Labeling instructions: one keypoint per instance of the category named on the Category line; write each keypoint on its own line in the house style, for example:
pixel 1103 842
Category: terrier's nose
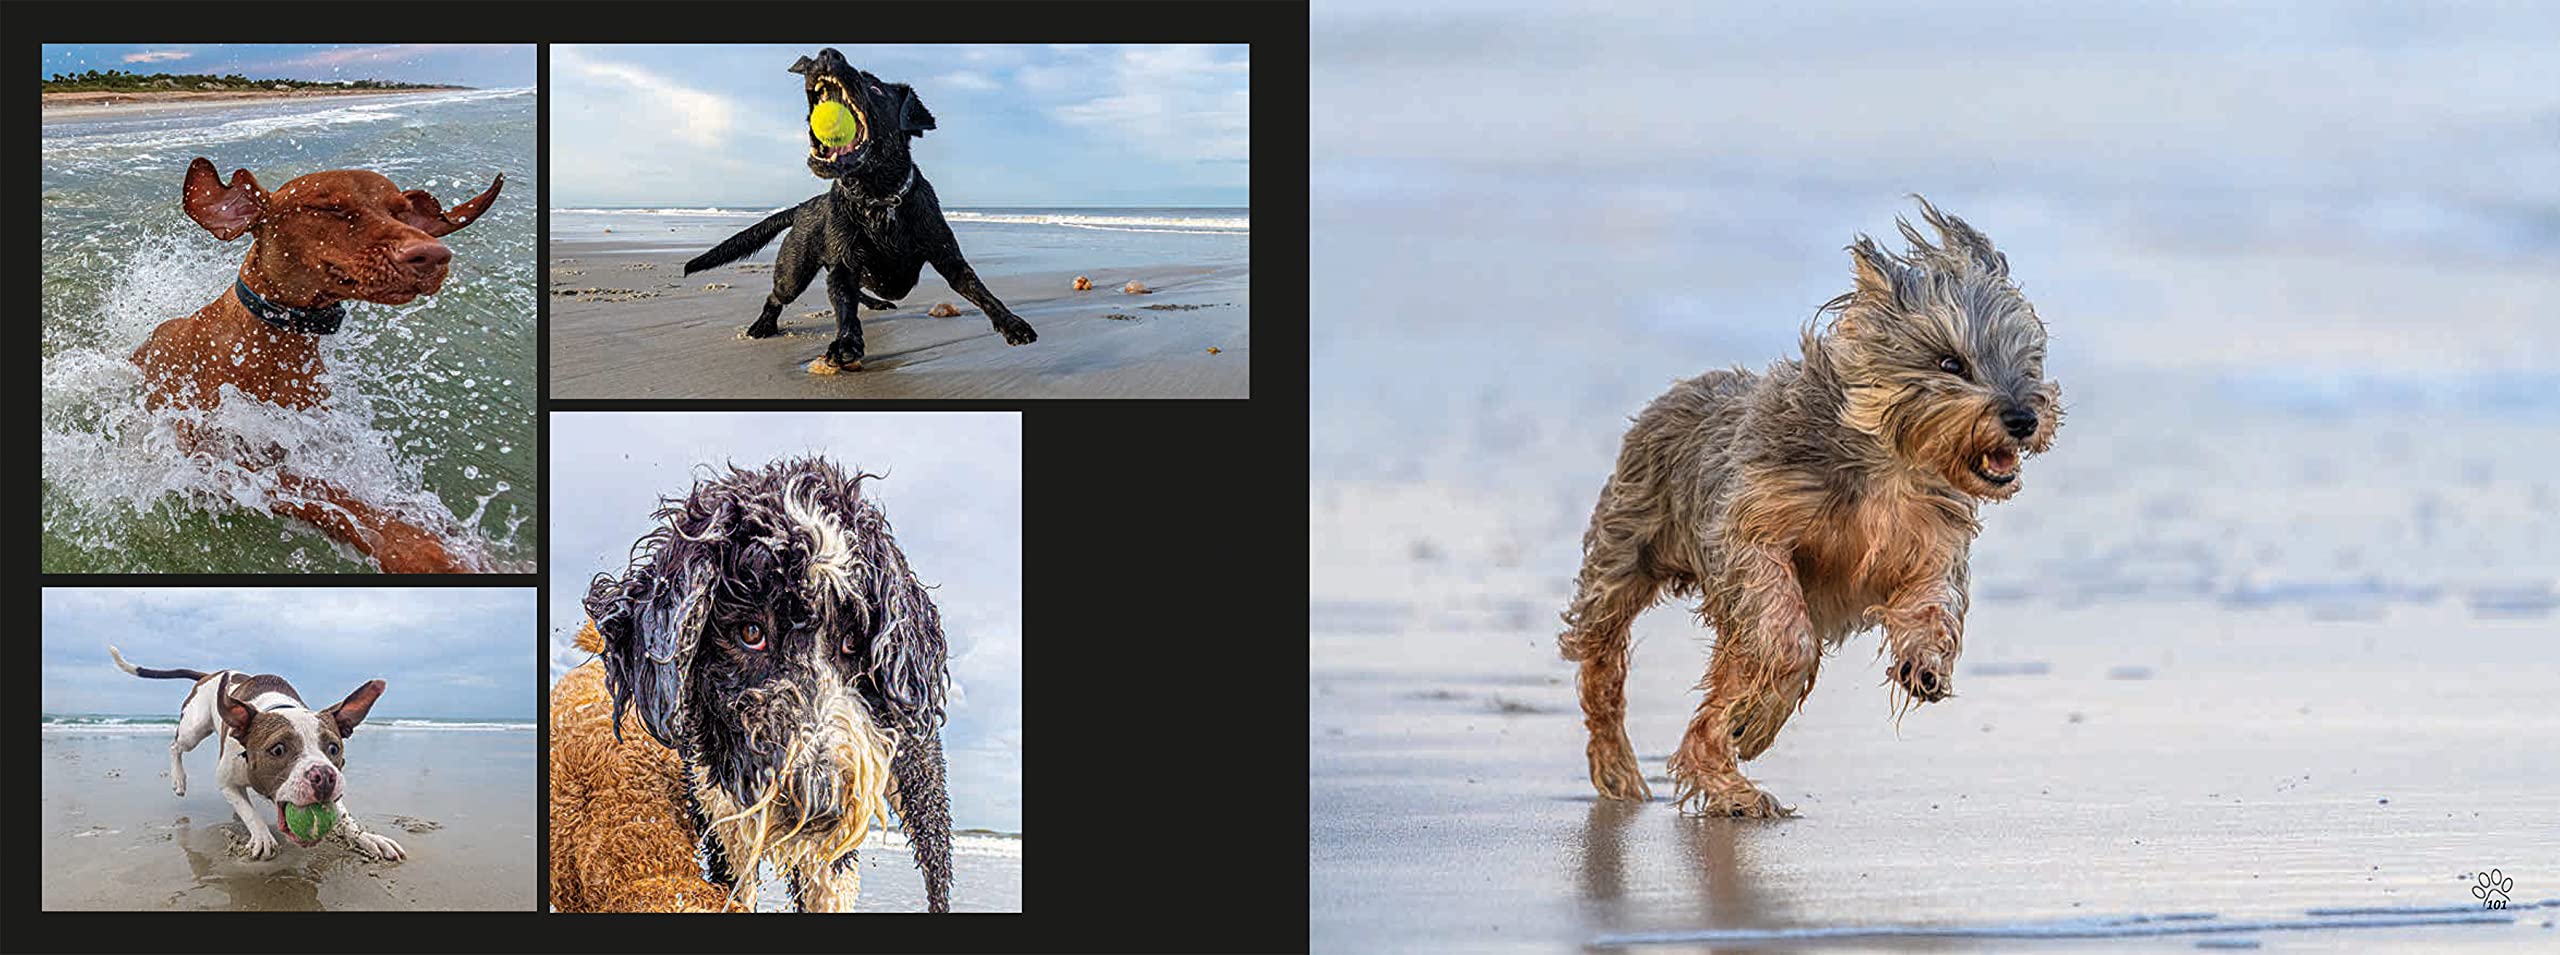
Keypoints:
pixel 424 254
pixel 2020 421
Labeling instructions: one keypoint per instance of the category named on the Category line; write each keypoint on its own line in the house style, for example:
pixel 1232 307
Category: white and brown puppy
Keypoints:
pixel 273 744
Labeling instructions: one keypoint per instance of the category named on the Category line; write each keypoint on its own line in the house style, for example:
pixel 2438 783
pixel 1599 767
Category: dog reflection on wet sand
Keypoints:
pixel 1828 495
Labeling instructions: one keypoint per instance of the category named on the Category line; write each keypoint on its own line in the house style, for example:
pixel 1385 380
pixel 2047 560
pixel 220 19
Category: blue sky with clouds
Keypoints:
pixel 1018 125
pixel 484 65
pixel 953 493
pixel 446 652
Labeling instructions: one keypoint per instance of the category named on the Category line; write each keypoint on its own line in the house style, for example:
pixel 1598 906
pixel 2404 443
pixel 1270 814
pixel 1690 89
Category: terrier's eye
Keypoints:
pixel 1951 365
pixel 333 749
pixel 276 750
pixel 751 637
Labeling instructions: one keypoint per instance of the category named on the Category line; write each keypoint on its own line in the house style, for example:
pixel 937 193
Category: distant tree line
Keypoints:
pixel 119 81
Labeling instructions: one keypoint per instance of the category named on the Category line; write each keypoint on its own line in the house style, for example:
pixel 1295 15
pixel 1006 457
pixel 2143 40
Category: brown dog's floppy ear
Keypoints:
pixel 351 710
pixel 235 714
pixel 912 115
pixel 429 217
pixel 225 211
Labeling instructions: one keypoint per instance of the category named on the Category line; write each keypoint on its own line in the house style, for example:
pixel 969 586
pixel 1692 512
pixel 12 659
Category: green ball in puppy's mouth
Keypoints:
pixel 309 823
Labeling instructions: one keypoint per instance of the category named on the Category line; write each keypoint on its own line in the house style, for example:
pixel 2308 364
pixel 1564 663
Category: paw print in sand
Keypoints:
pixel 2492 889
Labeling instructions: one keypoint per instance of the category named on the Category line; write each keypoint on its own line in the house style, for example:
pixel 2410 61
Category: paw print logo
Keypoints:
pixel 2491 889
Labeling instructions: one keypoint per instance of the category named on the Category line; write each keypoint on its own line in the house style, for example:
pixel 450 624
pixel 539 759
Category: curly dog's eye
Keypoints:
pixel 1951 365
pixel 751 636
pixel 851 646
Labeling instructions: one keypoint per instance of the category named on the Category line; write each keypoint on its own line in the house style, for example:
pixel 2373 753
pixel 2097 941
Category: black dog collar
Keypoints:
pixel 305 321
pixel 898 196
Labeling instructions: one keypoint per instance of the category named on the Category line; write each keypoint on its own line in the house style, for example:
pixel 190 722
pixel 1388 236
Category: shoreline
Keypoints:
pixel 109 102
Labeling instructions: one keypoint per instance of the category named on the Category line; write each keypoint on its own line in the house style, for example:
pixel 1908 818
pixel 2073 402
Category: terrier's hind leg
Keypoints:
pixel 1613 588
pixel 1764 663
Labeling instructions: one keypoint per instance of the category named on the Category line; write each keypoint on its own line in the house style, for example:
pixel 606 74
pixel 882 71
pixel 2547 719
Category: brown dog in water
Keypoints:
pixel 323 239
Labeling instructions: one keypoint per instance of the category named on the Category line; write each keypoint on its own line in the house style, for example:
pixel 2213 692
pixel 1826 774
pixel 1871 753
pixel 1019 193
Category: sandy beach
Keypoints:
pixel 627 323
pixel 460 801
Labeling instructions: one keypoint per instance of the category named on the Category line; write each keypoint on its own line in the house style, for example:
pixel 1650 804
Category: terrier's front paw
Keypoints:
pixel 1614 772
pixel 380 847
pixel 1737 798
pixel 261 844
pixel 1928 677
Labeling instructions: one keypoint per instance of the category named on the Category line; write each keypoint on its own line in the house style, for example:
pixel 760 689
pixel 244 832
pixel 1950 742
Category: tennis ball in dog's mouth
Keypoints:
pixel 309 823
pixel 834 124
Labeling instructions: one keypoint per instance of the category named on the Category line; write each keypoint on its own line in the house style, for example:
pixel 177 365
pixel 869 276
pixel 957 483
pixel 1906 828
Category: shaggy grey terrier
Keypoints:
pixel 1833 493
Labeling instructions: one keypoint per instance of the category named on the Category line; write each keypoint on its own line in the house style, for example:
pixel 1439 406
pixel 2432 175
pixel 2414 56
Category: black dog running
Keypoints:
pixel 875 229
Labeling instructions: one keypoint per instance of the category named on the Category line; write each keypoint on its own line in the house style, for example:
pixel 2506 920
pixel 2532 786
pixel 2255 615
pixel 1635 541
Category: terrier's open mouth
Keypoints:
pixel 1999 466
pixel 287 829
pixel 828 89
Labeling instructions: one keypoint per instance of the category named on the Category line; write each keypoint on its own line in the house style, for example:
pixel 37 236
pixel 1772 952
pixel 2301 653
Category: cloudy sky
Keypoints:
pixel 459 653
pixel 1017 125
pixel 953 493
pixel 487 65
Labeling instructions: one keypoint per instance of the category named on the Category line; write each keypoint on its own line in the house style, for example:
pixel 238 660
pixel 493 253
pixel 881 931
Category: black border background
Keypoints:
pixel 1164 550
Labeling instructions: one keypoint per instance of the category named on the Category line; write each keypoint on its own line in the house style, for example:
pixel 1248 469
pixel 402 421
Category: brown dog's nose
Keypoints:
pixel 423 254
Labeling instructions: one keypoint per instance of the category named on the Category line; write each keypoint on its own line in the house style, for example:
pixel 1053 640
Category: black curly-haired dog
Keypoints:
pixel 770 632
pixel 876 229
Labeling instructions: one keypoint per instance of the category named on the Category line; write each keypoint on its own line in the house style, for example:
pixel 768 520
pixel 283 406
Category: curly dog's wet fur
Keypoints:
pixel 777 677
pixel 1831 494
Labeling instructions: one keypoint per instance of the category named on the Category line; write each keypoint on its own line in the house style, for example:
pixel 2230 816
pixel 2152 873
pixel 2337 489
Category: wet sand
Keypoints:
pixel 986 876
pixel 639 328
pixel 2193 766
pixel 461 803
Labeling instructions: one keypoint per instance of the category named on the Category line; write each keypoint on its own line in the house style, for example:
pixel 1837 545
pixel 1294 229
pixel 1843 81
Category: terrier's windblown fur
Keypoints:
pixel 1827 496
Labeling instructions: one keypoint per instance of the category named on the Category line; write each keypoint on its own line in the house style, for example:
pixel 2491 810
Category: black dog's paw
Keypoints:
pixel 765 328
pixel 878 304
pixel 1016 331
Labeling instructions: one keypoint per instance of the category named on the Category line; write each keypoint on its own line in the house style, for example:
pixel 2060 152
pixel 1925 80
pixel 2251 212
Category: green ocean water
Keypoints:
pixel 433 401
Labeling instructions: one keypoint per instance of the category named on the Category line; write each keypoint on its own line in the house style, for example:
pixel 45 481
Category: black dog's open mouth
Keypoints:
pixel 1998 466
pixel 828 89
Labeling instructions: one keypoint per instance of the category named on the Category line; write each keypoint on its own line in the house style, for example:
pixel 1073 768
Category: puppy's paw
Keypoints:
pixel 1737 798
pixel 1928 677
pixel 261 844
pixel 1614 772
pixel 380 847
pixel 179 785
pixel 1016 331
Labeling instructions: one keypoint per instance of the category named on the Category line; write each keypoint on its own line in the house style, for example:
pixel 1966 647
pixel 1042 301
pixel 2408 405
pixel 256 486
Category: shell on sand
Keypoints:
pixel 821 366
pixel 1136 287
pixel 1084 284
pixel 943 310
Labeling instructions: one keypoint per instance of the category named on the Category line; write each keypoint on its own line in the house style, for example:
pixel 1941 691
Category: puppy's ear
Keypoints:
pixel 352 710
pixel 225 211
pixel 1957 237
pixel 651 620
pixel 1875 267
pixel 430 216
pixel 910 658
pixel 235 714
pixel 911 112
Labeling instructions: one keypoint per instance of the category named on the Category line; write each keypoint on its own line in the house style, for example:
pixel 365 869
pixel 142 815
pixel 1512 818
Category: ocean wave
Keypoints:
pixel 727 213
pixel 1207 225
pixel 972 843
pixel 135 144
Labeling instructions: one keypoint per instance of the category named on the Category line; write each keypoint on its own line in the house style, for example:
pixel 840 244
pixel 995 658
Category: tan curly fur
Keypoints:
pixel 1831 494
pixel 622 838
